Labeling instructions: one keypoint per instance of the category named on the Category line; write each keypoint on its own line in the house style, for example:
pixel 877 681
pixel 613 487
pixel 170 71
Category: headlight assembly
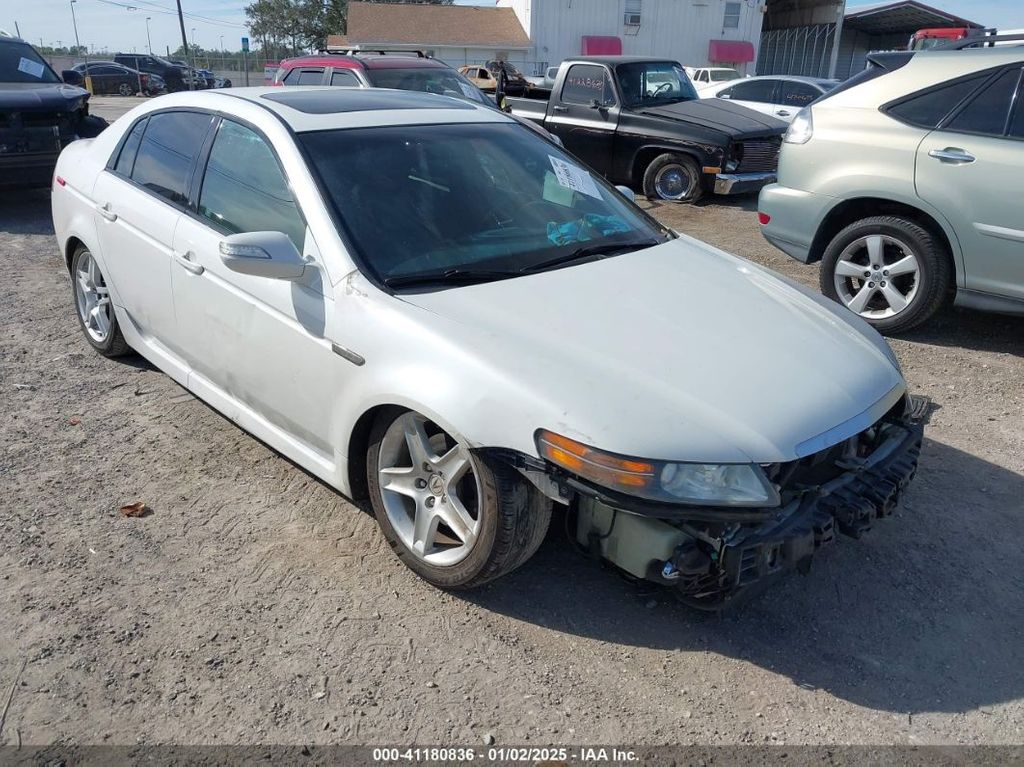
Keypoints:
pixel 715 484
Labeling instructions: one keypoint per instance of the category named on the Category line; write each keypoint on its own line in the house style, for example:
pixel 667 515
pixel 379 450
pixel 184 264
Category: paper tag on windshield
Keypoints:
pixel 30 67
pixel 573 177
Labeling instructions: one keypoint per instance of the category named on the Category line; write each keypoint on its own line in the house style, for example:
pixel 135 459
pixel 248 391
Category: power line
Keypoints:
pixel 167 11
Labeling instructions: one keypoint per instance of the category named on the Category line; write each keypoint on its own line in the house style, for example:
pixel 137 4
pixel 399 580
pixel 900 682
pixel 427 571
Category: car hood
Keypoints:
pixel 734 120
pixel 676 352
pixel 33 97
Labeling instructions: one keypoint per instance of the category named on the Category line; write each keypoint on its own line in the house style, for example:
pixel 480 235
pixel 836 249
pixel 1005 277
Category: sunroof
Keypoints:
pixel 331 100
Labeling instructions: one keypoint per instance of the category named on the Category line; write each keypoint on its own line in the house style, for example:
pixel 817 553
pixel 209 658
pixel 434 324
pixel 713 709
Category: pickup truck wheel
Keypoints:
pixel 673 177
pixel 453 517
pixel 892 272
pixel 95 312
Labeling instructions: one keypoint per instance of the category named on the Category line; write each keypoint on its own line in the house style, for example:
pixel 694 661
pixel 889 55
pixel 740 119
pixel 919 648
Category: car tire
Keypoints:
pixel 674 178
pixel 508 514
pixel 93 307
pixel 856 261
pixel 125 89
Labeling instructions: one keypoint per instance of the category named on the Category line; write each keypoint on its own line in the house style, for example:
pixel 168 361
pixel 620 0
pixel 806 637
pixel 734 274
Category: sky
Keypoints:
pixel 121 24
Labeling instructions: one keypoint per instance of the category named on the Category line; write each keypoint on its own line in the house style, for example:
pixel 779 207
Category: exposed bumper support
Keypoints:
pixel 742 183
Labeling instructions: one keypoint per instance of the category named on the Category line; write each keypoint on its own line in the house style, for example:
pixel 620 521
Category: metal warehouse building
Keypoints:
pixel 799 37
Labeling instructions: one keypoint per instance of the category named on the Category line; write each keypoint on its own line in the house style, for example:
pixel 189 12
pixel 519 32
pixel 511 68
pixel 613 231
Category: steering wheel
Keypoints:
pixel 663 88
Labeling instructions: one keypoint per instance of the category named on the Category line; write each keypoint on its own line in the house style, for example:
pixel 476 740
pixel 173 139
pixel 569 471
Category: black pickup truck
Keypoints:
pixel 40 114
pixel 639 122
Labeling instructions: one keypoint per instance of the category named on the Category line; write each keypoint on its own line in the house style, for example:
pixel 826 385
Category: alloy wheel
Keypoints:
pixel 877 276
pixel 92 298
pixel 430 491
pixel 125 89
pixel 674 182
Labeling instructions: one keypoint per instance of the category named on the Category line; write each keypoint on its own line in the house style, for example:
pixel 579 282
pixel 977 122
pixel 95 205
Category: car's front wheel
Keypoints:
pixel 673 177
pixel 95 311
pixel 455 518
pixel 891 271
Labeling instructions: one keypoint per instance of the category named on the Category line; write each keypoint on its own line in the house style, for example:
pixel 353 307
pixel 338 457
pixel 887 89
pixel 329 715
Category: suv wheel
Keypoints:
pixel 890 271
pixel 453 517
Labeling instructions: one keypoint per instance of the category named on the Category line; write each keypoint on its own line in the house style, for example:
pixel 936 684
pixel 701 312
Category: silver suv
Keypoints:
pixel 907 183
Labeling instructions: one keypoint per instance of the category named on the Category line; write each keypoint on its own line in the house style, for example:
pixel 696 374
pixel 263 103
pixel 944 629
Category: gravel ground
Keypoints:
pixel 255 605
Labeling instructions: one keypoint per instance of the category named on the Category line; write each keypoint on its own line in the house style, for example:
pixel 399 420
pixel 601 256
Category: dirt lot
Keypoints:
pixel 255 605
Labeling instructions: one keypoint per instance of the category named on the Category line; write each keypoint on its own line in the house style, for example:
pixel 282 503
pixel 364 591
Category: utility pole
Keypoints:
pixel 149 40
pixel 74 22
pixel 184 40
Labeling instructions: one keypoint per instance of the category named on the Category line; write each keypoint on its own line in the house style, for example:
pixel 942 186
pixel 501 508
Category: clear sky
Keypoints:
pixel 121 24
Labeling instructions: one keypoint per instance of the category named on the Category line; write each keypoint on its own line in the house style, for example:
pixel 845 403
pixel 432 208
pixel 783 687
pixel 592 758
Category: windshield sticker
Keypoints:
pixel 30 67
pixel 573 177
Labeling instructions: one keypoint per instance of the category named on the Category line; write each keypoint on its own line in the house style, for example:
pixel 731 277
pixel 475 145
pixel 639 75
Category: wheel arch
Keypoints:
pixel 647 154
pixel 857 208
pixel 70 247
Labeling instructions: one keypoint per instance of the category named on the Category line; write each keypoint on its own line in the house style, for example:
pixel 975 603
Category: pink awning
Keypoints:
pixel 598 45
pixel 730 51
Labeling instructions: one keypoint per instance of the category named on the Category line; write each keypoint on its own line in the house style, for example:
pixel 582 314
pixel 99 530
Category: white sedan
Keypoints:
pixel 781 96
pixel 421 301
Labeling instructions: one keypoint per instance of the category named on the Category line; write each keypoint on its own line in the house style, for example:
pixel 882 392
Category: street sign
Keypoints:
pixel 245 44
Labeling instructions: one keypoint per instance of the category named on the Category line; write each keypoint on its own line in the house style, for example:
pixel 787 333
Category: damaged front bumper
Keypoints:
pixel 710 555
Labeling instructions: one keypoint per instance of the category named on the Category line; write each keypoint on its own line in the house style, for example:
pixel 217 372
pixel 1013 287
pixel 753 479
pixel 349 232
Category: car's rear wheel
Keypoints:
pixel 95 312
pixel 455 518
pixel 125 89
pixel 673 177
pixel 892 272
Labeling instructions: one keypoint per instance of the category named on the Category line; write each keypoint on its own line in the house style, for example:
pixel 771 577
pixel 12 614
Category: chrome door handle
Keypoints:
pixel 559 110
pixel 106 212
pixel 782 113
pixel 185 259
pixel 952 154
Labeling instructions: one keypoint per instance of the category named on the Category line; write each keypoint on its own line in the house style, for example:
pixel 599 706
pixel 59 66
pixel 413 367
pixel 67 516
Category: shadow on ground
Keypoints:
pixel 25 211
pixel 922 614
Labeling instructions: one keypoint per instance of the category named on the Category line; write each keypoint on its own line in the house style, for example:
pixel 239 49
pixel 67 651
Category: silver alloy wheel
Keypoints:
pixel 125 89
pixel 430 491
pixel 93 299
pixel 877 276
pixel 673 182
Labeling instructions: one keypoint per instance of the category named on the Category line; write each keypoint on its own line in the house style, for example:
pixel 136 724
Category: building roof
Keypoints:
pixel 425 25
pixel 906 16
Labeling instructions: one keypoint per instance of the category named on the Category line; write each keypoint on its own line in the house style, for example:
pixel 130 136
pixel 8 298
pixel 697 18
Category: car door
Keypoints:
pixel 756 94
pixel 305 76
pixel 139 199
pixel 586 115
pixel 971 168
pixel 255 341
pixel 792 96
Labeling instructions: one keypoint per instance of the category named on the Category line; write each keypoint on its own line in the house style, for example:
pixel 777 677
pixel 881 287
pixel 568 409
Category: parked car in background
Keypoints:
pixel 370 282
pixel 40 114
pixel 209 77
pixel 109 77
pixel 639 122
pixel 222 82
pixel 906 184
pixel 545 81
pixel 175 77
pixel 780 96
pixel 198 79
pixel 480 76
pixel 704 77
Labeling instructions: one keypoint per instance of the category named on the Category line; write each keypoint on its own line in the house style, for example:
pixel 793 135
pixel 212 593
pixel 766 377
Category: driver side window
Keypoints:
pixel 244 189
pixel 586 83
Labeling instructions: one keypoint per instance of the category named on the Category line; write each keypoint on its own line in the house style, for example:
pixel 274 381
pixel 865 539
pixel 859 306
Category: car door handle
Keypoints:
pixel 782 113
pixel 185 259
pixel 559 110
pixel 952 154
pixel 106 212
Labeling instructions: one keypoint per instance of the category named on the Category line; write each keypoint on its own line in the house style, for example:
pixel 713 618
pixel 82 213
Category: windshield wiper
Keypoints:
pixel 590 251
pixel 455 276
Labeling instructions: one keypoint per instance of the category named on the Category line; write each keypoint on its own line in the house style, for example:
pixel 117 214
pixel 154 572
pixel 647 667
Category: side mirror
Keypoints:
pixel 72 77
pixel 626 192
pixel 262 254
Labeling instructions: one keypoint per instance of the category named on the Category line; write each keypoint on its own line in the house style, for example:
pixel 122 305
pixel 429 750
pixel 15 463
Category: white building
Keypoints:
pixel 694 32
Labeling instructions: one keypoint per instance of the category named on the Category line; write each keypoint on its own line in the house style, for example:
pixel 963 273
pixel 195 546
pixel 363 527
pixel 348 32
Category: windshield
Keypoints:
pixel 443 81
pixel 724 75
pixel 19 63
pixel 654 82
pixel 484 200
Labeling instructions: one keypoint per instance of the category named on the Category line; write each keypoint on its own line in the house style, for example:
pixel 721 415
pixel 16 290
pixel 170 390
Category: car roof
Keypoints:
pixel 313 108
pixel 613 60
pixel 347 61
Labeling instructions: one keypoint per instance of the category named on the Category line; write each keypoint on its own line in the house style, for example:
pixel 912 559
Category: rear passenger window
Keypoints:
pixel 126 159
pixel 343 77
pixel 1017 121
pixel 927 109
pixel 989 110
pixel 305 77
pixel 244 189
pixel 761 91
pixel 168 151
pixel 799 95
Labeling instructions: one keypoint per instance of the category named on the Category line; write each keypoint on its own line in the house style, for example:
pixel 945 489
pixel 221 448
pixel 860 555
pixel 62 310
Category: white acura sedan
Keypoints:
pixel 421 301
